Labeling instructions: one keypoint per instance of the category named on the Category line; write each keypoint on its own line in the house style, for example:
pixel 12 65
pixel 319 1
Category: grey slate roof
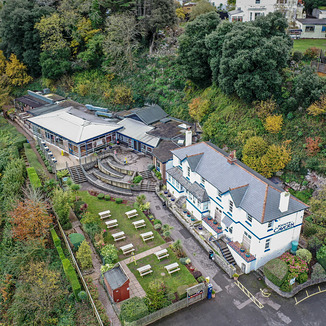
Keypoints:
pixel 163 151
pixel 45 109
pixel 312 21
pixel 194 188
pixel 115 277
pixel 193 160
pixel 149 114
pixel 31 101
pixel 261 197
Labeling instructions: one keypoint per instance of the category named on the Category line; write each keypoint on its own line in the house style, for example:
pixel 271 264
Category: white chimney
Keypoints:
pixel 284 201
pixel 188 137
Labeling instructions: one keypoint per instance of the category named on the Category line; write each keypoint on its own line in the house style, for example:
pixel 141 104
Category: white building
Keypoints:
pixel 248 209
pixel 249 10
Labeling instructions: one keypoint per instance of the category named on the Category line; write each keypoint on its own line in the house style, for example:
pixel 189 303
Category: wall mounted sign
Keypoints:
pixel 283 227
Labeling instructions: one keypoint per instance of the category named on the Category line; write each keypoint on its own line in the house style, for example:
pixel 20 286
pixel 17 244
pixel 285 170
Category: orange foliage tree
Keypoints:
pixel 312 145
pixel 29 220
pixel 198 108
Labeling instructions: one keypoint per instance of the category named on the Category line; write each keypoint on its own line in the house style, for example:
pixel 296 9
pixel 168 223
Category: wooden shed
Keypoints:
pixel 117 283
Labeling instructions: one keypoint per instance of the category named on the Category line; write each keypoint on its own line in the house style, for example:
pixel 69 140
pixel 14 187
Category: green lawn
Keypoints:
pixel 303 44
pixel 33 160
pixel 172 282
pixel 96 205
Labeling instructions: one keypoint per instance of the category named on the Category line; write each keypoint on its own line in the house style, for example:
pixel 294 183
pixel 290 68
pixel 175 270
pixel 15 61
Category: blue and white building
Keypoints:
pixel 249 209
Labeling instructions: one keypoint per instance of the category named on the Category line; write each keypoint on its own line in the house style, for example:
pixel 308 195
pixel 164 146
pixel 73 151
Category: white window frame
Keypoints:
pixel 269 225
pixel 249 218
pixel 268 244
pixel 188 172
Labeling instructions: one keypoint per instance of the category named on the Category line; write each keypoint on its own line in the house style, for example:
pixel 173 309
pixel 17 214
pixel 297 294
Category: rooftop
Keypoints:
pixel 250 191
pixel 115 277
pixel 163 151
pixel 312 21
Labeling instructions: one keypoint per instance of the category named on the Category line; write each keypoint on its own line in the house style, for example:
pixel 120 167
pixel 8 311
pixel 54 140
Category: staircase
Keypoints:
pixel 225 252
pixel 77 174
pixel 147 185
pixel 147 174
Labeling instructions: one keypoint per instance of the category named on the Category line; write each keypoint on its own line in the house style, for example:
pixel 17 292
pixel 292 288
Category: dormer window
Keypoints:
pixel 230 206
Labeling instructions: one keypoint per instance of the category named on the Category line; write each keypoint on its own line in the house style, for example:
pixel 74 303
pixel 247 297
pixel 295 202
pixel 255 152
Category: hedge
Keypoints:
pixel 276 271
pixel 119 201
pixel 56 239
pixel 133 309
pixel 32 159
pixel 33 178
pixel 71 276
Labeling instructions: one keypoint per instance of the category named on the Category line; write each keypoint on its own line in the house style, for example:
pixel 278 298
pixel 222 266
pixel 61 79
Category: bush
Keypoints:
pixel 321 256
pixel 302 278
pixel 305 255
pixel 185 260
pixel 137 179
pixel 33 178
pixel 110 254
pixel 318 272
pixel 276 271
pixel 84 255
pixel 82 295
pixel 119 201
pixel 309 230
pixel 107 197
pixel 157 222
pixel 133 309
pixel 314 244
pixel 197 274
pixel 297 56
pixel 286 287
pixel 60 252
pixel 200 279
pixel 76 239
pixel 182 291
pixel 71 276
pixel 67 226
pixel 100 196
pixel 157 226
pixel 156 297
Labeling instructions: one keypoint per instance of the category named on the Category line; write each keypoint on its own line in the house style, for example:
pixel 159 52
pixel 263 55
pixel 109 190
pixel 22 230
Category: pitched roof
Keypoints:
pixel 74 128
pixel 163 151
pixel 193 160
pixel 31 101
pixel 149 114
pixel 115 277
pixel 258 196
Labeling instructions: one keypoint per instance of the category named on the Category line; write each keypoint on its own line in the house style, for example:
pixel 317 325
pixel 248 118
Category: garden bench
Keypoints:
pixel 119 236
pixel 161 254
pixel 111 224
pixel 132 213
pixel 147 236
pixel 104 214
pixel 139 224
pixel 127 248
pixel 50 153
pixel 147 269
pixel 172 268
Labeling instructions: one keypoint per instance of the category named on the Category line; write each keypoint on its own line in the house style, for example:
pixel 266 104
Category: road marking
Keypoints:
pixel 284 318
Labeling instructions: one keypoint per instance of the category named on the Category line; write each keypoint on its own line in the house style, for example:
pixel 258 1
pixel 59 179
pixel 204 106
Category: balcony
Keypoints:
pixel 236 246
pixel 216 227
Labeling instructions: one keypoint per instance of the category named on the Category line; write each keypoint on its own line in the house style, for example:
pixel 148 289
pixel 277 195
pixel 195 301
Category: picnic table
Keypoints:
pixel 111 224
pixel 161 254
pixel 127 248
pixel 132 213
pixel 147 236
pixel 104 214
pixel 139 224
pixel 147 269
pixel 172 268
pixel 119 236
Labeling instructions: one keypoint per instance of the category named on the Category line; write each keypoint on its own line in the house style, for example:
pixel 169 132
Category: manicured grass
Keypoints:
pixel 33 160
pixel 96 205
pixel 303 44
pixel 172 282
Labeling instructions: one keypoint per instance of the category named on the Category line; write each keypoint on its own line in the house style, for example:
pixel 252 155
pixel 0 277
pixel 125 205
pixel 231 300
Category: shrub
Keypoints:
pixel 286 287
pixel 107 197
pixel 302 278
pixel 71 276
pixel 321 256
pixel 119 201
pixel 84 255
pixel 67 226
pixel 56 239
pixel 296 265
pixel 309 230
pixel 133 309
pixel 137 179
pixel 100 196
pixel 182 291
pixel 156 296
pixel 185 260
pixel 318 272
pixel 197 274
pixel 109 253
pixel 82 295
pixel 157 226
pixel 60 252
pixel 200 279
pixel 33 178
pixel 305 255
pixel 76 239
pixel 297 56
pixel 157 222
pixel 62 173
pixel 314 244
pixel 311 53
pixel 276 271
pixel 61 205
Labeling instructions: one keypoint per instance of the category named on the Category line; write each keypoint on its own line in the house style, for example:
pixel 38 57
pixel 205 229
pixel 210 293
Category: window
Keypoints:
pixel 169 178
pixel 323 28
pixel 269 225
pixel 237 19
pixel 202 181
pixel 249 218
pixel 219 194
pixel 188 171
pixel 310 29
pixel 231 229
pixel 267 244
pixel 205 206
pixel 250 16
pixel 230 206
pixel 257 2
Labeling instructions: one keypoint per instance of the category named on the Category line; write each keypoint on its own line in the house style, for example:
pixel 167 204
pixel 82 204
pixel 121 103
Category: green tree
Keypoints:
pixel 17 32
pixel 84 255
pixel 156 298
pixel 318 207
pixel 202 7
pixel 193 53
pixel 311 4
pixel 61 204
pixel 55 64
pixel 253 150
pixel 109 253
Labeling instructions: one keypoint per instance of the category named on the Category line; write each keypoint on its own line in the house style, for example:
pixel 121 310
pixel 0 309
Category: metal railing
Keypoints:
pixel 309 295
pixel 249 295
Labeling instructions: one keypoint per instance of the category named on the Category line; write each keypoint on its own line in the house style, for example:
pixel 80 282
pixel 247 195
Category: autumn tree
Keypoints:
pixel 253 150
pixel 273 123
pixel 313 145
pixel 84 255
pixel 30 220
pixel 16 72
pixel 318 207
pixel 318 107
pixel 198 108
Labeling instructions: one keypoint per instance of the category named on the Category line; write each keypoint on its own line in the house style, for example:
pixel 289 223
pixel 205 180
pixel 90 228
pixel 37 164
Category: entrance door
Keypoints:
pixel 139 146
pixel 218 215
pixel 246 240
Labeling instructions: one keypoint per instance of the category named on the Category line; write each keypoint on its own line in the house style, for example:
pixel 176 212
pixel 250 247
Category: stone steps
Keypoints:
pixel 77 174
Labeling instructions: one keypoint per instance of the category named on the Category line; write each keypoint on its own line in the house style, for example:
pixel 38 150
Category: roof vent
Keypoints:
pixel 284 201
pixel 232 157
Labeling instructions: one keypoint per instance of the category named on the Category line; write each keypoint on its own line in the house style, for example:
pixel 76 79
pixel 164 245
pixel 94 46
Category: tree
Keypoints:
pixel 109 253
pixel 193 53
pixel 17 72
pixel 156 296
pixel 198 108
pixel 318 107
pixel 313 145
pixel 273 123
pixel 38 294
pixel 30 220
pixel 61 205
pixel 180 13
pixel 311 4
pixel 84 255
pixel 253 150
pixel 265 108
pixel 55 64
pixel 202 7
pixel 17 32
pixel 121 44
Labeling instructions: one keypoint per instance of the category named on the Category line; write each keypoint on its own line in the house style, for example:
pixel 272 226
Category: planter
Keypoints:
pixel 215 222
pixel 200 227
pixel 165 192
pixel 185 211
pixel 219 227
pixel 242 249
pixel 209 218
pixel 247 255
pixel 188 214
pixel 173 199
pixel 193 219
